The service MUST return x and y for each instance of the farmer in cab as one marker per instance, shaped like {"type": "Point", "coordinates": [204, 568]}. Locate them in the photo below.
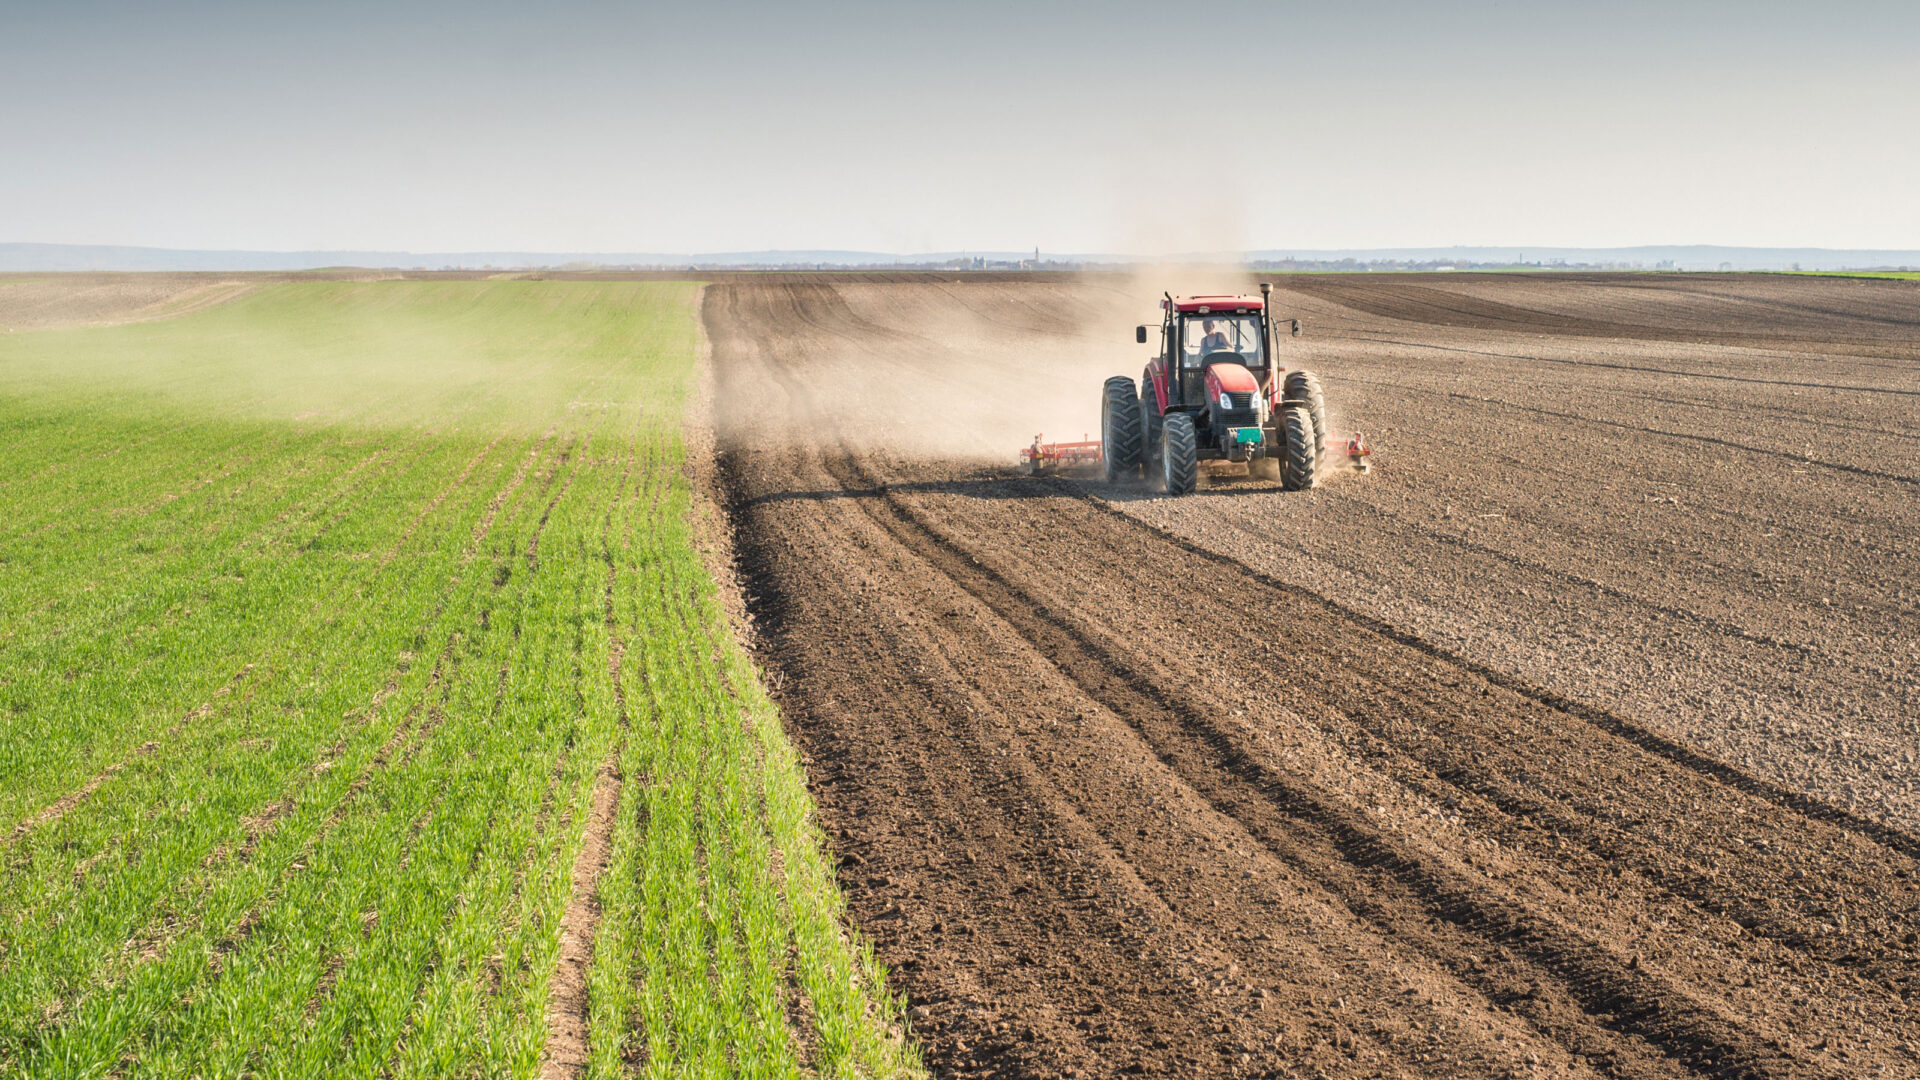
{"type": "Point", "coordinates": [1216, 339]}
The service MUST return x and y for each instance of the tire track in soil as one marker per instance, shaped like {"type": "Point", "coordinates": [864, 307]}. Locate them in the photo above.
{"type": "Point", "coordinates": [567, 1012]}
{"type": "Point", "coordinates": [1596, 979]}
{"type": "Point", "coordinates": [1080, 850]}
{"type": "Point", "coordinates": [1198, 752]}
{"type": "Point", "coordinates": [1896, 839]}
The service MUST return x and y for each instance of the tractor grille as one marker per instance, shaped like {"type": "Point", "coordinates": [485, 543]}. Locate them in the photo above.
{"type": "Point", "coordinates": [1244, 412]}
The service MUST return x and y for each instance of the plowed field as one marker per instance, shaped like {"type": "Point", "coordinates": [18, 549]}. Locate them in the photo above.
{"type": "Point", "coordinates": [1578, 739]}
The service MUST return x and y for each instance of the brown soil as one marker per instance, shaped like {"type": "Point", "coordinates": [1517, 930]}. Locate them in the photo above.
{"type": "Point", "coordinates": [1847, 314]}
{"type": "Point", "coordinates": [66, 300]}
{"type": "Point", "coordinates": [1488, 764]}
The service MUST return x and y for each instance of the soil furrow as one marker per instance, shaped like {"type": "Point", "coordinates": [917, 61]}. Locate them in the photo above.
{"type": "Point", "coordinates": [1682, 436]}
{"type": "Point", "coordinates": [1602, 981]}
{"type": "Point", "coordinates": [1110, 797]}
{"type": "Point", "coordinates": [1895, 839]}
{"type": "Point", "coordinates": [1638, 369]}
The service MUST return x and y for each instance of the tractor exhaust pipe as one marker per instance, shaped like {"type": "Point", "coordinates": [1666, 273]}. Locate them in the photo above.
{"type": "Point", "coordinates": [1266, 315]}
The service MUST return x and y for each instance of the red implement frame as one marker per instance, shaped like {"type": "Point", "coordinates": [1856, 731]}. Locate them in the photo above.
{"type": "Point", "coordinates": [1357, 450]}
{"type": "Point", "coordinates": [1045, 456]}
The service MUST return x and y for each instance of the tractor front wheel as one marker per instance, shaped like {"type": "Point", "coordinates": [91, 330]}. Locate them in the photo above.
{"type": "Point", "coordinates": [1119, 429]}
{"type": "Point", "coordinates": [1303, 448]}
{"type": "Point", "coordinates": [1179, 454]}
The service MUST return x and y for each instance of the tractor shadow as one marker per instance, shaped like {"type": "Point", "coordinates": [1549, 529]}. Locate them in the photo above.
{"type": "Point", "coordinates": [996, 489]}
{"type": "Point", "coordinates": [1223, 487]}
{"type": "Point", "coordinates": [1014, 486]}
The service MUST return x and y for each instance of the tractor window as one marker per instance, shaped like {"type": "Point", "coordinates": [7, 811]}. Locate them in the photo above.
{"type": "Point", "coordinates": [1205, 335]}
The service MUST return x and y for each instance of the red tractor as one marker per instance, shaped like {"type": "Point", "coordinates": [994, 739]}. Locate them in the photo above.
{"type": "Point", "coordinates": [1217, 392]}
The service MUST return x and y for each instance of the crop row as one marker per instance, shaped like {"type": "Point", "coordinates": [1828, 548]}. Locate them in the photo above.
{"type": "Point", "coordinates": [324, 615]}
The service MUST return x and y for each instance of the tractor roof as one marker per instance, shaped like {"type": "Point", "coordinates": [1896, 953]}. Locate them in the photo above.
{"type": "Point", "coordinates": [1226, 304]}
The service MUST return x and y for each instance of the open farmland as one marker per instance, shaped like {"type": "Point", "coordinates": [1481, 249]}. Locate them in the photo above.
{"type": "Point", "coordinates": [40, 303]}
{"type": "Point", "coordinates": [365, 707]}
{"type": "Point", "coordinates": [1577, 740]}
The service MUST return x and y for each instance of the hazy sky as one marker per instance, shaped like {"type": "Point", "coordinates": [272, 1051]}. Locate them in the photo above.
{"type": "Point", "coordinates": [974, 124]}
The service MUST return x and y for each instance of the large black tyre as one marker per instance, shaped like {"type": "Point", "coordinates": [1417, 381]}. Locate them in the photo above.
{"type": "Point", "coordinates": [1304, 386]}
{"type": "Point", "coordinates": [1179, 454]}
{"type": "Point", "coordinates": [1119, 429]}
{"type": "Point", "coordinates": [1303, 448]}
{"type": "Point", "coordinates": [1149, 422]}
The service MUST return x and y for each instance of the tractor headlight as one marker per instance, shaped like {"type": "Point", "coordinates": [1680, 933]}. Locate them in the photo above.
{"type": "Point", "coordinates": [1226, 400]}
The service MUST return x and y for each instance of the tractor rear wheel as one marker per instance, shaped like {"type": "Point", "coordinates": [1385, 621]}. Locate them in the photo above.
{"type": "Point", "coordinates": [1149, 422]}
{"type": "Point", "coordinates": [1179, 454]}
{"type": "Point", "coordinates": [1304, 386]}
{"type": "Point", "coordinates": [1119, 429]}
{"type": "Point", "coordinates": [1303, 448]}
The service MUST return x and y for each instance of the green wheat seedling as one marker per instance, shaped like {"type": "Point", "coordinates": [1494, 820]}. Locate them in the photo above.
{"type": "Point", "coordinates": [323, 616]}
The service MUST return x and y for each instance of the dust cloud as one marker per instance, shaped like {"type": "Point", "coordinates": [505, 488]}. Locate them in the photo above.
{"type": "Point", "coordinates": [965, 368]}
{"type": "Point", "coordinates": [460, 356]}
{"type": "Point", "coordinates": [969, 367]}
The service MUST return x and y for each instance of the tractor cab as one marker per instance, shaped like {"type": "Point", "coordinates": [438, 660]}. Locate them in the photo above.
{"type": "Point", "coordinates": [1201, 331]}
{"type": "Point", "coordinates": [1196, 334]}
{"type": "Point", "coordinates": [1205, 339]}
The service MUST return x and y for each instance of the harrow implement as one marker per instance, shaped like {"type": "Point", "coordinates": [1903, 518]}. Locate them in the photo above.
{"type": "Point", "coordinates": [1044, 457]}
{"type": "Point", "coordinates": [1357, 451]}
{"type": "Point", "coordinates": [1047, 457]}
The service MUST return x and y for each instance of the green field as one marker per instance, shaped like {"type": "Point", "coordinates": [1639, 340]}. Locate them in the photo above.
{"type": "Point", "coordinates": [326, 617]}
